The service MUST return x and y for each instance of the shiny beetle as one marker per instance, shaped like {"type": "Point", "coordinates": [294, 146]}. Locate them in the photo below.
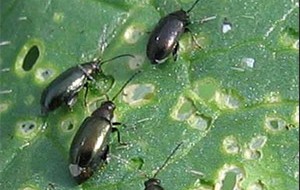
{"type": "Point", "coordinates": [154, 183]}
{"type": "Point", "coordinates": [65, 88]}
{"type": "Point", "coordinates": [89, 147]}
{"type": "Point", "coordinates": [164, 38]}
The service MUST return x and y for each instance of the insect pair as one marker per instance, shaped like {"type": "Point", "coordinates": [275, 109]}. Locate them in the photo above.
{"type": "Point", "coordinates": [89, 147]}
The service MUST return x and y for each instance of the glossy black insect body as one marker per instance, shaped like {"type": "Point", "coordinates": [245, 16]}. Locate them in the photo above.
{"type": "Point", "coordinates": [90, 147]}
{"type": "Point", "coordinates": [164, 38]}
{"type": "Point", "coordinates": [65, 88]}
{"type": "Point", "coordinates": [154, 183]}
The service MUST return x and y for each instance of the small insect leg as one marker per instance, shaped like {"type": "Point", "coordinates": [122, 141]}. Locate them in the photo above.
{"type": "Point", "coordinates": [193, 38]}
{"type": "Point", "coordinates": [86, 86]}
{"type": "Point", "coordinates": [174, 53]}
{"type": "Point", "coordinates": [114, 129]}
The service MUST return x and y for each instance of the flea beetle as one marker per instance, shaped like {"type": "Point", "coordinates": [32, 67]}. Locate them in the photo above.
{"type": "Point", "coordinates": [164, 38]}
{"type": "Point", "coordinates": [90, 147]}
{"type": "Point", "coordinates": [65, 87]}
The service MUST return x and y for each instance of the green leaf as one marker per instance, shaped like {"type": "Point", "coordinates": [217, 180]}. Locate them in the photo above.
{"type": "Point", "coordinates": [233, 103]}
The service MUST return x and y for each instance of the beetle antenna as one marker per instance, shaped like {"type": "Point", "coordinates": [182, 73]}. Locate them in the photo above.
{"type": "Point", "coordinates": [167, 160]}
{"type": "Point", "coordinates": [123, 55]}
{"type": "Point", "coordinates": [122, 88]}
{"type": "Point", "coordinates": [193, 6]}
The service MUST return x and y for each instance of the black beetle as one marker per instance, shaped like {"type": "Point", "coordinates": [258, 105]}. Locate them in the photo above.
{"type": "Point", "coordinates": [164, 38]}
{"type": "Point", "coordinates": [65, 87]}
{"type": "Point", "coordinates": [154, 183]}
{"type": "Point", "coordinates": [89, 147]}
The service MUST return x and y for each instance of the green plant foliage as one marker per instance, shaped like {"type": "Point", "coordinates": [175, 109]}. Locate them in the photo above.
{"type": "Point", "coordinates": [233, 103]}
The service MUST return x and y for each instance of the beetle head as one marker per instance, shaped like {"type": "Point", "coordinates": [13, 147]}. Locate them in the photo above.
{"type": "Point", "coordinates": [106, 110]}
{"type": "Point", "coordinates": [96, 66]}
{"type": "Point", "coordinates": [181, 15]}
{"type": "Point", "coordinates": [153, 182]}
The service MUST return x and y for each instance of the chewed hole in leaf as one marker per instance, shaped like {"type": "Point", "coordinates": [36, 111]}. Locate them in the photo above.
{"type": "Point", "coordinates": [230, 177]}
{"type": "Point", "coordinates": [51, 186]}
{"type": "Point", "coordinates": [133, 34]}
{"type": "Point", "coordinates": [136, 62]}
{"type": "Point", "coordinates": [257, 142]}
{"type": "Point", "coordinates": [67, 125]}
{"type": "Point", "coordinates": [275, 124]}
{"type": "Point", "coordinates": [183, 109]}
{"type": "Point", "coordinates": [3, 107]}
{"type": "Point", "coordinates": [249, 154]}
{"type": "Point", "coordinates": [202, 184]}
{"type": "Point", "coordinates": [273, 97]}
{"type": "Point", "coordinates": [138, 94]}
{"type": "Point", "coordinates": [290, 37]}
{"type": "Point", "coordinates": [43, 74]}
{"type": "Point", "coordinates": [227, 100]}
{"type": "Point", "coordinates": [94, 104]}
{"type": "Point", "coordinates": [246, 64]}
{"type": "Point", "coordinates": [136, 162]}
{"type": "Point", "coordinates": [256, 186]}
{"type": "Point", "coordinates": [206, 88]}
{"type": "Point", "coordinates": [230, 145]}
{"type": "Point", "coordinates": [27, 129]}
{"type": "Point", "coordinates": [295, 116]}
{"type": "Point", "coordinates": [31, 58]}
{"type": "Point", "coordinates": [200, 122]}
{"type": "Point", "coordinates": [29, 188]}
{"type": "Point", "coordinates": [58, 17]}
{"type": "Point", "coordinates": [229, 180]}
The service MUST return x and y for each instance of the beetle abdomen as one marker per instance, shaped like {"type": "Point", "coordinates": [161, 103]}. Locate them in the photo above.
{"type": "Point", "coordinates": [89, 148]}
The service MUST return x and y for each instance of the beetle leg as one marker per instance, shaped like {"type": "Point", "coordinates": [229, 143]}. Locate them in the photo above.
{"type": "Point", "coordinates": [196, 42]}
{"type": "Point", "coordinates": [193, 38]}
{"type": "Point", "coordinates": [104, 155]}
{"type": "Point", "coordinates": [174, 52]}
{"type": "Point", "coordinates": [70, 101]}
{"type": "Point", "coordinates": [114, 129]}
{"type": "Point", "coordinates": [86, 73]}
{"type": "Point", "coordinates": [86, 86]}
{"type": "Point", "coordinates": [106, 97]}
{"type": "Point", "coordinates": [118, 123]}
